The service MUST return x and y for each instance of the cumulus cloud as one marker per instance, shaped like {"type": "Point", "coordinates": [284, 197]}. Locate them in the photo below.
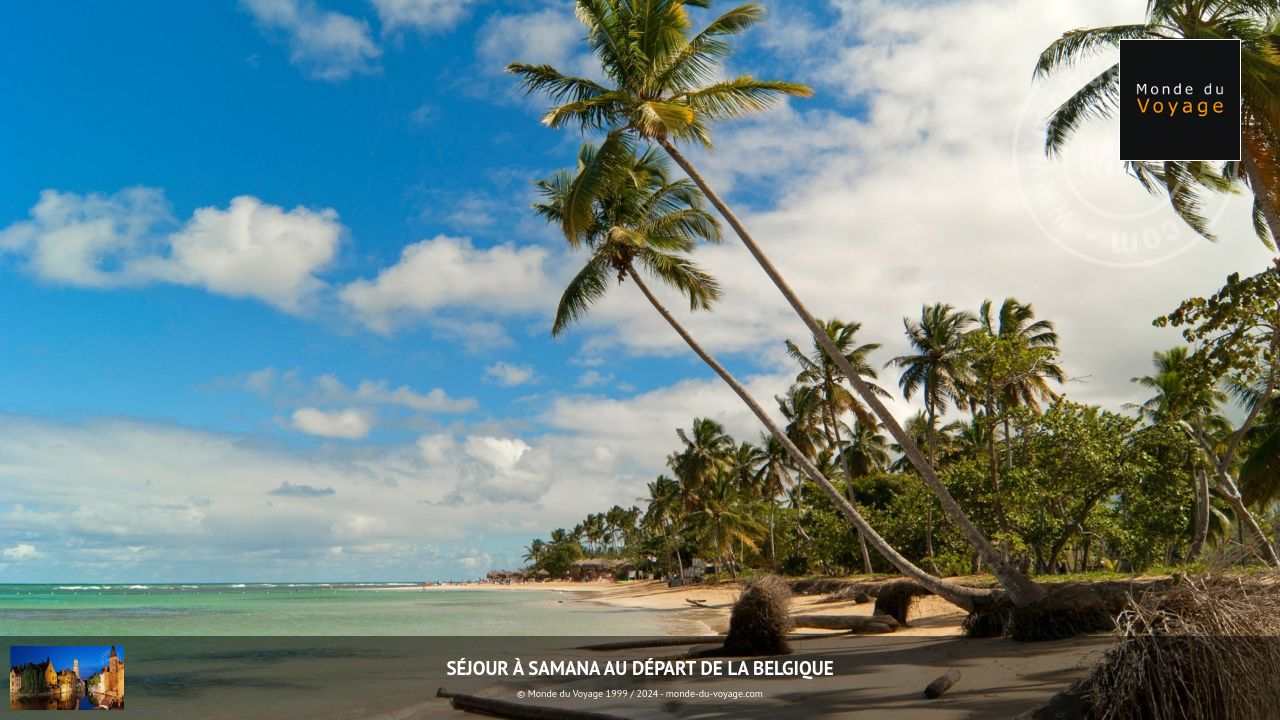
{"type": "Point", "coordinates": [920, 178]}
{"type": "Point", "coordinates": [325, 44]}
{"type": "Point", "coordinates": [448, 272]}
{"type": "Point", "coordinates": [425, 15]}
{"type": "Point", "coordinates": [408, 510]}
{"type": "Point", "coordinates": [550, 36]}
{"type": "Point", "coordinates": [509, 374]}
{"type": "Point", "coordinates": [349, 424]}
{"type": "Point", "coordinates": [22, 551]}
{"type": "Point", "coordinates": [290, 387]}
{"type": "Point", "coordinates": [248, 250]}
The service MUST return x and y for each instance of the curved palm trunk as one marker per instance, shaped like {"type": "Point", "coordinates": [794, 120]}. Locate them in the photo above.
{"type": "Point", "coordinates": [1201, 532]}
{"type": "Point", "coordinates": [1021, 589]}
{"type": "Point", "coordinates": [1228, 490]}
{"type": "Point", "coordinates": [848, 478]}
{"type": "Point", "coordinates": [1269, 211]}
{"type": "Point", "coordinates": [957, 594]}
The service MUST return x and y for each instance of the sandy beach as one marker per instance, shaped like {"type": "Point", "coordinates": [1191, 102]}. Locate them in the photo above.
{"type": "Point", "coordinates": [880, 676]}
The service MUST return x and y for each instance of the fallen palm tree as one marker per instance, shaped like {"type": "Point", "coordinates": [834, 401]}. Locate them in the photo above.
{"type": "Point", "coordinates": [1204, 648]}
{"type": "Point", "coordinates": [855, 624]}
{"type": "Point", "coordinates": [1196, 649]}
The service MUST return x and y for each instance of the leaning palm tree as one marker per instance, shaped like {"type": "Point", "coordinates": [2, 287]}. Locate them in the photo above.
{"type": "Point", "coordinates": [663, 87]}
{"type": "Point", "coordinates": [937, 366]}
{"type": "Point", "coordinates": [644, 222]}
{"type": "Point", "coordinates": [1259, 166]}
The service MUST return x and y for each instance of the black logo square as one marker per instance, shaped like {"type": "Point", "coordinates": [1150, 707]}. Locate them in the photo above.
{"type": "Point", "coordinates": [1180, 100]}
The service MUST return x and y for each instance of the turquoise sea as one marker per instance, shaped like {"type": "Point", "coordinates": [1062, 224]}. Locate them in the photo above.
{"type": "Point", "coordinates": [323, 609]}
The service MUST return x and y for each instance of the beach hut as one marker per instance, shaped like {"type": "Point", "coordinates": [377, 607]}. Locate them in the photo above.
{"type": "Point", "coordinates": [595, 569]}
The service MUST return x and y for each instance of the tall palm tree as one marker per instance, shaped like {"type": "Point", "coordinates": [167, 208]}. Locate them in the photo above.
{"type": "Point", "coordinates": [535, 551]}
{"type": "Point", "coordinates": [727, 519]}
{"type": "Point", "coordinates": [937, 368]}
{"type": "Point", "coordinates": [630, 227]}
{"type": "Point", "coordinates": [1018, 321]}
{"type": "Point", "coordinates": [666, 512]}
{"type": "Point", "coordinates": [772, 477]}
{"type": "Point", "coordinates": [819, 371]}
{"type": "Point", "coordinates": [707, 451]}
{"type": "Point", "coordinates": [663, 86]}
{"type": "Point", "coordinates": [1015, 324]}
{"type": "Point", "coordinates": [1245, 20]}
{"type": "Point", "coordinates": [1177, 400]}
{"type": "Point", "coordinates": [834, 400]}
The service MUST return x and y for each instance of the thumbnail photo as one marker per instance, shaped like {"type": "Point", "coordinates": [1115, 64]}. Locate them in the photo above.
{"type": "Point", "coordinates": [66, 677]}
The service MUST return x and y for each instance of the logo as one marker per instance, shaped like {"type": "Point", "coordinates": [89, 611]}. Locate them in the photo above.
{"type": "Point", "coordinates": [1180, 100]}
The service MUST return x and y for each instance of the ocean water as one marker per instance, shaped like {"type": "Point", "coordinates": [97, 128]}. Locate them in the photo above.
{"type": "Point", "coordinates": [258, 609]}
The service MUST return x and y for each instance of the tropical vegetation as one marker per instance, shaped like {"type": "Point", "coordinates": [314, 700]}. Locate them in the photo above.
{"type": "Point", "coordinates": [1028, 481]}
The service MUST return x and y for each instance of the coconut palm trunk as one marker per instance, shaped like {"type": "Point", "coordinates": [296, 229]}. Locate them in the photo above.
{"type": "Point", "coordinates": [1260, 191]}
{"type": "Point", "coordinates": [1022, 591]}
{"type": "Point", "coordinates": [961, 596]}
{"type": "Point", "coordinates": [1201, 530]}
{"type": "Point", "coordinates": [1228, 490]}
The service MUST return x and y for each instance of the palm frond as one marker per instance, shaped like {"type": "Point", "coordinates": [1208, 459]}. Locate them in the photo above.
{"type": "Point", "coordinates": [588, 286]}
{"type": "Point", "coordinates": [547, 80]}
{"type": "Point", "coordinates": [695, 63]}
{"type": "Point", "coordinates": [1083, 42]}
{"type": "Point", "coordinates": [597, 173]}
{"type": "Point", "coordinates": [741, 96]}
{"type": "Point", "coordinates": [683, 274]}
{"type": "Point", "coordinates": [1098, 99]}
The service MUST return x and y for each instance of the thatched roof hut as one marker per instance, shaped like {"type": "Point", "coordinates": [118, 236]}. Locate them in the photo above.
{"type": "Point", "coordinates": [599, 566]}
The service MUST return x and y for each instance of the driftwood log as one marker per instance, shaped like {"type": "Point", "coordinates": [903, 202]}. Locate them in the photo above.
{"type": "Point", "coordinates": [942, 684]}
{"type": "Point", "coordinates": [518, 711]}
{"type": "Point", "coordinates": [852, 623]}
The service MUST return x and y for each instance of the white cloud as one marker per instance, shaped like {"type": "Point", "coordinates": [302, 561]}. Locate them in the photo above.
{"type": "Point", "coordinates": [508, 374]}
{"type": "Point", "coordinates": [265, 510]}
{"type": "Point", "coordinates": [920, 201]}
{"type": "Point", "coordinates": [434, 400]}
{"type": "Point", "coordinates": [248, 250]}
{"type": "Point", "coordinates": [252, 250]}
{"type": "Point", "coordinates": [22, 551]}
{"type": "Point", "coordinates": [70, 237]}
{"type": "Point", "coordinates": [450, 272]}
{"type": "Point", "coordinates": [325, 44]}
{"type": "Point", "coordinates": [423, 15]}
{"type": "Point", "coordinates": [501, 453]}
{"type": "Point", "coordinates": [291, 388]}
{"type": "Point", "coordinates": [593, 378]}
{"type": "Point", "coordinates": [551, 36]}
{"type": "Point", "coordinates": [349, 424]}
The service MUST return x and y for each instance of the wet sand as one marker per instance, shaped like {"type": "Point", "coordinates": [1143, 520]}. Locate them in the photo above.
{"type": "Point", "coordinates": [880, 676]}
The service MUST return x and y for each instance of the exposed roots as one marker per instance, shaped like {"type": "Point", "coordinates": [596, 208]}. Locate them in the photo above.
{"type": "Point", "coordinates": [761, 619]}
{"type": "Point", "coordinates": [988, 618]}
{"type": "Point", "coordinates": [895, 599]}
{"type": "Point", "coordinates": [1067, 611]}
{"type": "Point", "coordinates": [1202, 649]}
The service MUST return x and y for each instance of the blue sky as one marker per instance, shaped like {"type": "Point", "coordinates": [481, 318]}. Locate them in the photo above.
{"type": "Point", "coordinates": [275, 307]}
{"type": "Point", "coordinates": [92, 657]}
